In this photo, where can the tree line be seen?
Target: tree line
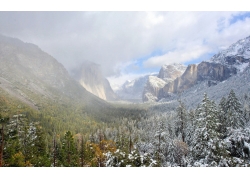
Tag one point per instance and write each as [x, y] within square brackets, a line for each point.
[209, 135]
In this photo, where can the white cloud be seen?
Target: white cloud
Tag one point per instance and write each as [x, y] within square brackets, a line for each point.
[152, 18]
[177, 56]
[114, 39]
[117, 81]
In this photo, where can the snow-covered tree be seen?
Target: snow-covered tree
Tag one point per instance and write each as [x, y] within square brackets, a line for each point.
[207, 147]
[233, 111]
[222, 116]
[181, 122]
[160, 142]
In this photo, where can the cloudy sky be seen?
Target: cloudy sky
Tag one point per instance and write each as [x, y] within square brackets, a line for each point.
[128, 44]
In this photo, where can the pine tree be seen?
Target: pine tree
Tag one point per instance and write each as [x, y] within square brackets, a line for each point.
[160, 142]
[69, 150]
[40, 152]
[82, 151]
[233, 111]
[207, 147]
[3, 122]
[57, 152]
[180, 126]
[190, 127]
[222, 116]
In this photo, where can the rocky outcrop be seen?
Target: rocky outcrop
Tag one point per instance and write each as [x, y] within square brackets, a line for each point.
[168, 73]
[109, 93]
[220, 67]
[90, 76]
[214, 71]
[188, 79]
[152, 89]
[171, 71]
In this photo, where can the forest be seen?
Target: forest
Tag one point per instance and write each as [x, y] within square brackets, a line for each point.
[210, 135]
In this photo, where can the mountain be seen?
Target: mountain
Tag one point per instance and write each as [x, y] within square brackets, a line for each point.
[90, 76]
[152, 88]
[132, 89]
[185, 81]
[38, 80]
[146, 88]
[168, 73]
[220, 67]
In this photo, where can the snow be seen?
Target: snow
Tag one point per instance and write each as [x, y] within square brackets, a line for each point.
[240, 48]
[156, 82]
[242, 66]
[174, 66]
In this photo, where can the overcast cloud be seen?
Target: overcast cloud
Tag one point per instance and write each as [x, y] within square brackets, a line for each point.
[117, 40]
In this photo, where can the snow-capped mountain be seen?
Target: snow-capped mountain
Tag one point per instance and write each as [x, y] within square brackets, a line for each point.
[220, 67]
[152, 88]
[239, 51]
[168, 73]
[146, 88]
[132, 89]
[235, 56]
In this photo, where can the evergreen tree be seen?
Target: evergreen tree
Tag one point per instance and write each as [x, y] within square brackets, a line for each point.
[82, 151]
[160, 142]
[233, 111]
[190, 127]
[207, 147]
[69, 150]
[180, 126]
[3, 122]
[222, 116]
[40, 151]
[57, 152]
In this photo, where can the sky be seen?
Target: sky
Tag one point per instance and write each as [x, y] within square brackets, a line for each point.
[127, 44]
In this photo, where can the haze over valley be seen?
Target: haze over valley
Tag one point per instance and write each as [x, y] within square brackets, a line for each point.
[125, 89]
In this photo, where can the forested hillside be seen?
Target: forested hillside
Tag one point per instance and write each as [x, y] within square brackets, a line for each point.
[48, 119]
[209, 135]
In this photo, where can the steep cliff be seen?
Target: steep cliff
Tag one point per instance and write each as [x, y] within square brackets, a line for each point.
[186, 80]
[167, 74]
[152, 88]
[220, 67]
[170, 72]
[90, 76]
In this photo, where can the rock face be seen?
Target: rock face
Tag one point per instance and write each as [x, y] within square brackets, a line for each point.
[186, 80]
[214, 71]
[152, 88]
[171, 71]
[90, 76]
[220, 67]
[168, 73]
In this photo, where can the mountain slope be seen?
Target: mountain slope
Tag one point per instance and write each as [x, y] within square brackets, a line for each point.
[220, 67]
[36, 78]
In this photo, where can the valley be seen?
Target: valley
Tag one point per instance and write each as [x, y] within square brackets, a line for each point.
[185, 116]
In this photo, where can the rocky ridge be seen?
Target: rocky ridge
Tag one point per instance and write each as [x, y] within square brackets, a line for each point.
[220, 67]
